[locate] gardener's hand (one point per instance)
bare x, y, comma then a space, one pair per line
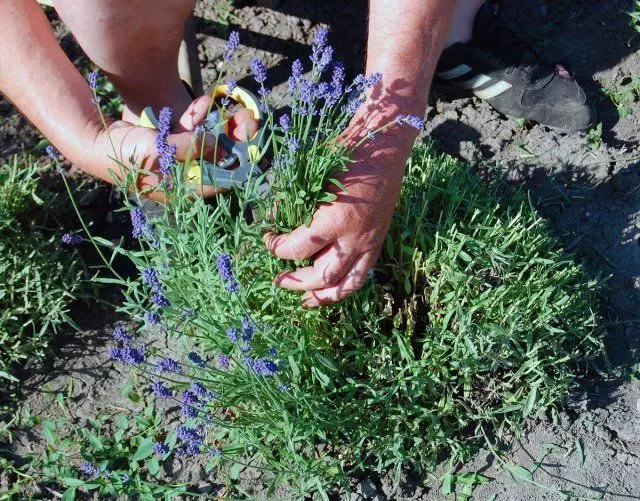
345, 236
138, 143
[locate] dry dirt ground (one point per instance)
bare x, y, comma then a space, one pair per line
587, 187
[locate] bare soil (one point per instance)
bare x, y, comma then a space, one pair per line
590, 196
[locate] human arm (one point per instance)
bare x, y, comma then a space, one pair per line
39, 79
344, 238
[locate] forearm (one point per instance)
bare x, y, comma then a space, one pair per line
39, 79
404, 44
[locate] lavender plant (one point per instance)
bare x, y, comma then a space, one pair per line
473, 322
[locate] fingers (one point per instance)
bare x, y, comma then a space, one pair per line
327, 270
352, 281
195, 114
301, 243
243, 125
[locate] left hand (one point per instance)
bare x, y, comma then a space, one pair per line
345, 236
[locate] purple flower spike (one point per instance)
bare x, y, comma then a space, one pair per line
297, 69
128, 355
232, 334
92, 78
322, 38
168, 365
160, 301
225, 269
294, 145
223, 362
259, 70
52, 152
161, 391
120, 334
150, 278
196, 359
264, 367
412, 120
141, 226
232, 45
153, 317
160, 449
285, 123
90, 470
71, 239
166, 151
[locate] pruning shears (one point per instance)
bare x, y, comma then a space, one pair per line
241, 163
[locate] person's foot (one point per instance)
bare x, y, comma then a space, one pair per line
502, 69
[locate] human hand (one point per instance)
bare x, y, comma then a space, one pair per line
133, 141
345, 236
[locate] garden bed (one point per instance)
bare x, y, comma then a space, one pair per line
594, 437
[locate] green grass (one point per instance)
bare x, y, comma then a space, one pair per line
38, 278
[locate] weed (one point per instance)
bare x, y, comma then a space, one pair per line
624, 94
594, 137
38, 278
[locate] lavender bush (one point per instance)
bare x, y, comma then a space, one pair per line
473, 322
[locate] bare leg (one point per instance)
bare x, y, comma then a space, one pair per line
136, 44
462, 26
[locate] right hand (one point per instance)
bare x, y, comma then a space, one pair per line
134, 141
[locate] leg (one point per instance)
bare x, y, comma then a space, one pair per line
136, 43
462, 27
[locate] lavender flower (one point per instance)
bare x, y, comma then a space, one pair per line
231, 85
150, 278
232, 45
91, 470
189, 397
272, 352
297, 69
161, 391
285, 123
264, 367
159, 300
373, 80
141, 226
120, 334
52, 152
412, 120
153, 317
71, 239
294, 144
223, 362
160, 449
166, 151
168, 365
192, 440
128, 355
321, 38
225, 269
196, 359
199, 389
259, 71
325, 59
215, 452
283, 387
245, 347
92, 78
232, 334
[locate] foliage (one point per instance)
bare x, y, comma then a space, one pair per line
473, 320
624, 94
112, 456
37, 277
